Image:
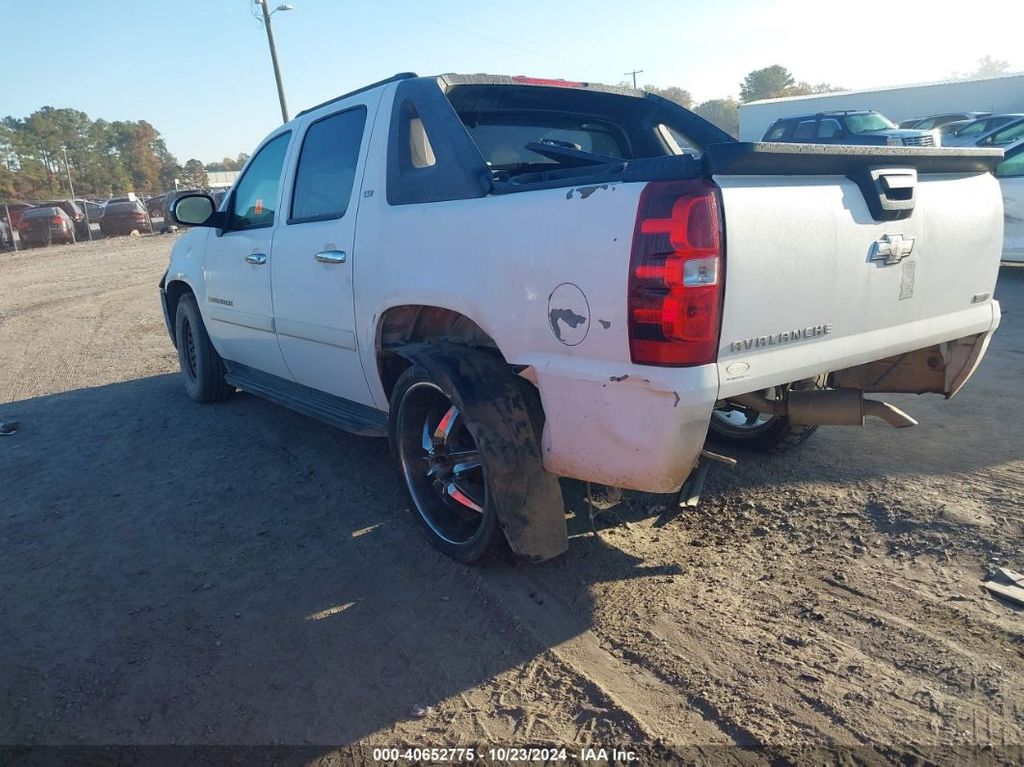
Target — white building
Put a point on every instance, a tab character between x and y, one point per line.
221	179
1004	93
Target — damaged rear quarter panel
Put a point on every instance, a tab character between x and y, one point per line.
497	260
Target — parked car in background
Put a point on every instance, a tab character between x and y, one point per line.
15	209
155	205
130	197
1010	173
93	210
45	225
968	133
935	121
847	127
75	213
124	217
1004	136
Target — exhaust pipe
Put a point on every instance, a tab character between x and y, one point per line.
888	413
827	407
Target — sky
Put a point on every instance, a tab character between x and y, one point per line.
200	71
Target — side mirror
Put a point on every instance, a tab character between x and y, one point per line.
192	210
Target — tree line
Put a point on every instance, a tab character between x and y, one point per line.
105	158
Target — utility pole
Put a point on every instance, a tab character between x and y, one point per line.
635	72
273	53
10	226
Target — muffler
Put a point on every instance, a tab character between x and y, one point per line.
825	407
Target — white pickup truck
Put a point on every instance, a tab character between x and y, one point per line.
519	279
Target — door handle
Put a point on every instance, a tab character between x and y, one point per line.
331	256
256	259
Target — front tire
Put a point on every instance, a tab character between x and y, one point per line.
201	366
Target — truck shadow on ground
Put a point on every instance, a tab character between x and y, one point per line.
240	574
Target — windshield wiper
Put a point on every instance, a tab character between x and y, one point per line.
568	154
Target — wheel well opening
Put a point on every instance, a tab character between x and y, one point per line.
416	324
175	290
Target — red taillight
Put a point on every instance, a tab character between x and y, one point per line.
676	275
57	220
139	216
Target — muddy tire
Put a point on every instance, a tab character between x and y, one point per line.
464	442
201	366
749	430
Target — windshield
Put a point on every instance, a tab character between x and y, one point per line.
868	123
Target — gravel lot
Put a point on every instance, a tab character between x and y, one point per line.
236	573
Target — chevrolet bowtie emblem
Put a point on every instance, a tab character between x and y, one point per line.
892	248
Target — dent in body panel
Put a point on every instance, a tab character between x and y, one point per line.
623	425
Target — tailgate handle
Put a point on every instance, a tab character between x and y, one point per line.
889	192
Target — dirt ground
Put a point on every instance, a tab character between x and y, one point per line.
239	574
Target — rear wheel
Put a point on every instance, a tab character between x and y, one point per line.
751	430
445	474
201	366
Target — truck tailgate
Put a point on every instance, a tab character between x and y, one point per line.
816	283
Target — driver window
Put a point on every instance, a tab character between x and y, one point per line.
255	197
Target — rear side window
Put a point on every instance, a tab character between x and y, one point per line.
327	167
829	128
421	152
255	197
777	132
804	130
677	143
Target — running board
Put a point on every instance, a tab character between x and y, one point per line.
333	411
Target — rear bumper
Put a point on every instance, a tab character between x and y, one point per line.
623	425
773	365
643	428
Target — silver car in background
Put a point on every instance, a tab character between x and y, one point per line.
1010	173
996	130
